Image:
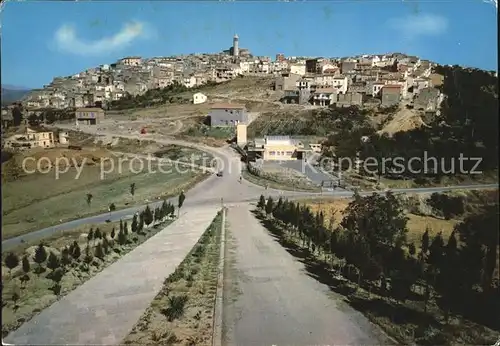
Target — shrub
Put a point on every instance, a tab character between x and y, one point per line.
176	306
76	253
53	261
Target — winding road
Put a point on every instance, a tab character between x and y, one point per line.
213	190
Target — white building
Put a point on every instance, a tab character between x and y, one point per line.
340	84
298	69
199	98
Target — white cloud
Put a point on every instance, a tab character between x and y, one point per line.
417	25
67	40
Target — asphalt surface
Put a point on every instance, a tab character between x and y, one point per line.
269	299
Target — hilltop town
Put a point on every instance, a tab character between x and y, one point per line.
368	79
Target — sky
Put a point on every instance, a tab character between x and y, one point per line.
42	40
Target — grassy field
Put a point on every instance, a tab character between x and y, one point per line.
39	200
35	289
182	313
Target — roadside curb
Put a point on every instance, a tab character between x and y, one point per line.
218	309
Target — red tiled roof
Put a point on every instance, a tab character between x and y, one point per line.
227	106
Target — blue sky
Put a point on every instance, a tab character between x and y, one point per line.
41	40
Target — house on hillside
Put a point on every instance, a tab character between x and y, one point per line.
89	116
199	98
391	95
27	138
228	114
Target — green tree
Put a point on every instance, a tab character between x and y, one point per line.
269	206
53	261
99	252
11	261
26	269
122	238
148	216
125	227
89	198
97	234
132	189
76	253
180	201
134	224
40	256
479	234
141	222
88	255
262	202
90	235
26	264
65	256
113	233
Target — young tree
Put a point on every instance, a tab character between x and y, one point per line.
134	224
99	252
11	261
89	199
269	206
40	256
88	255
97	234
105	245
122	238
262	202
180	202
141	222
121	226
65	256
113	233
125	227
26	269
53	261
112	207
76	253
26	265
57	276
148	216
90	235
132	189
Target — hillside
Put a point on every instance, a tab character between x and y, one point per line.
12	94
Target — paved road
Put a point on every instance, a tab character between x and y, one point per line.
104	309
270	300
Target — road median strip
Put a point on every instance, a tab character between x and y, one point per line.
183	310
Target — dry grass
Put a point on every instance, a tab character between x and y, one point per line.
196	279
417	224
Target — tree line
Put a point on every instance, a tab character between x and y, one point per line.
370	247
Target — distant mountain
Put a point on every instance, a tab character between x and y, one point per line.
12	93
